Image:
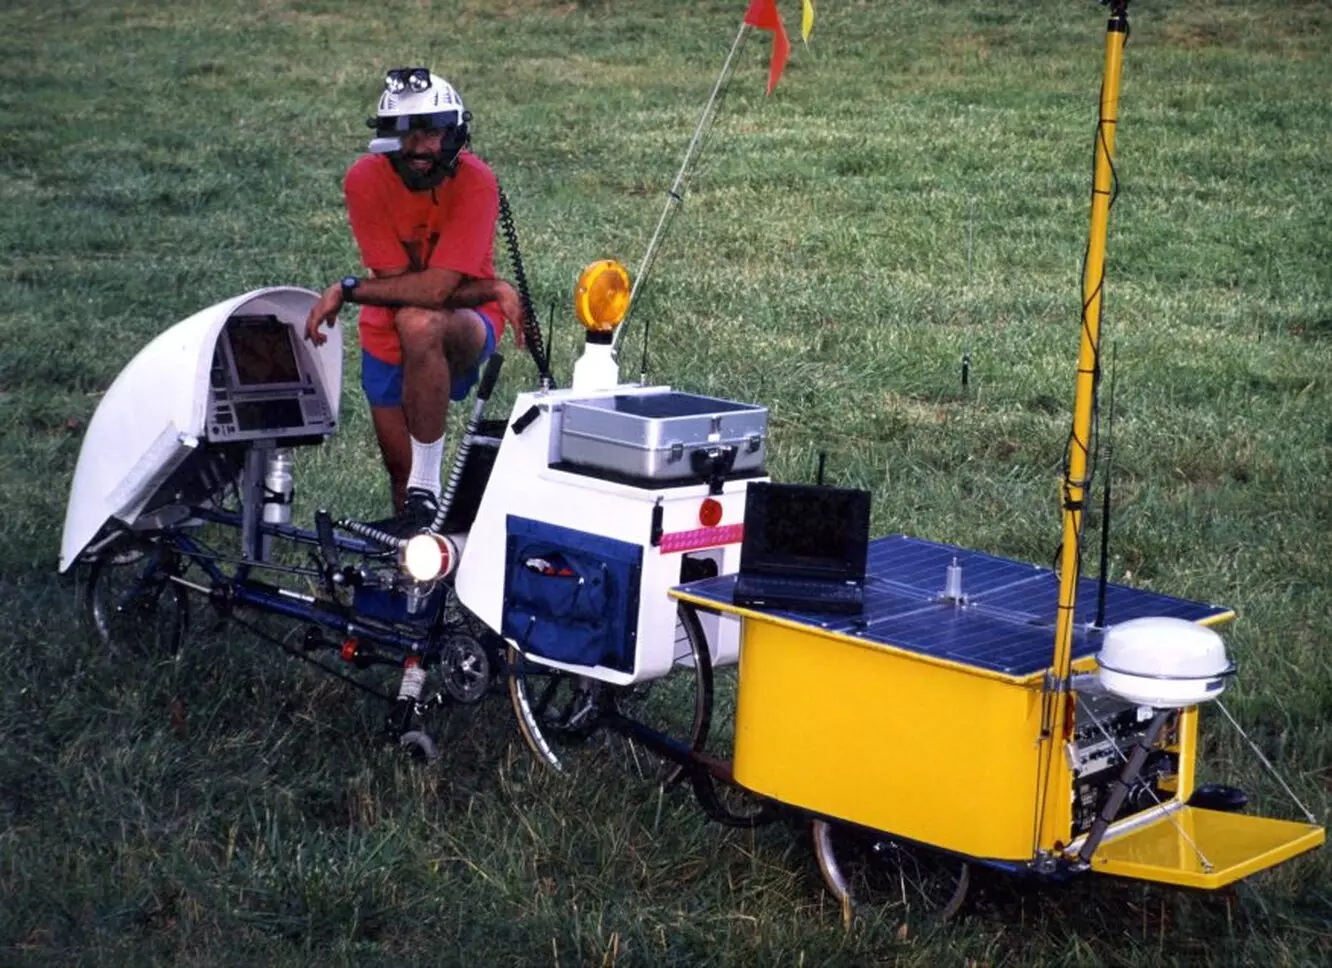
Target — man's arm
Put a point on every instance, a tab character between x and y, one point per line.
427	289
430	289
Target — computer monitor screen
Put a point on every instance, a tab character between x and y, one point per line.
806	528
262	352
806	524
278	414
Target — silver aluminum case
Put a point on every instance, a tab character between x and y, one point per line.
651	436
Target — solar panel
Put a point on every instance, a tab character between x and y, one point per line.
1007	624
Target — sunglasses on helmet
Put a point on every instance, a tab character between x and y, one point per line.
402	124
403	79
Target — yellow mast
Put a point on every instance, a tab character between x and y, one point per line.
1075	481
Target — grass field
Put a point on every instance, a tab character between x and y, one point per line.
233	808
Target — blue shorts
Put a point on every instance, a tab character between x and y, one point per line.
382	382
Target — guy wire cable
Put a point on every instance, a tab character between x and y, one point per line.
1308	814
676	193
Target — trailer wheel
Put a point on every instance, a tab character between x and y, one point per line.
562	715
860	868
724	800
132	605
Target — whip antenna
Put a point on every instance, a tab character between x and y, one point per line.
676	194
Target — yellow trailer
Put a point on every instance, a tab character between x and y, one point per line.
924	719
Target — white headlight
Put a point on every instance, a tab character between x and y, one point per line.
427	556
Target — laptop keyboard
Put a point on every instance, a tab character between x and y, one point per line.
827	591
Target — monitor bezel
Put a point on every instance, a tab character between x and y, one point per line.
763	559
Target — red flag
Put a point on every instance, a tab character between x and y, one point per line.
763	15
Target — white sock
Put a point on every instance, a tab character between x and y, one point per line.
426	459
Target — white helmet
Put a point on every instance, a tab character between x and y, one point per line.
416	100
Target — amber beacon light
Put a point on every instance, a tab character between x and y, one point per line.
602	296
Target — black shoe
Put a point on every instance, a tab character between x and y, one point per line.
418	513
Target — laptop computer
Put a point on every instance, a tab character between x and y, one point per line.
804	548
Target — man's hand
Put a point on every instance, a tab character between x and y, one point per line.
324	311
512	308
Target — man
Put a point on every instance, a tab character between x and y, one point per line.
422	209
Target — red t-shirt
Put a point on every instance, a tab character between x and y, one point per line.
450	227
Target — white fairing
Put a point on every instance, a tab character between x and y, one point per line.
525	483
1163	662
154	414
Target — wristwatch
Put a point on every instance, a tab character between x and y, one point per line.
349	284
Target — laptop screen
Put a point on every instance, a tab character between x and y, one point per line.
805	530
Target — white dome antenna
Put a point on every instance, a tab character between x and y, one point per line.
1166	663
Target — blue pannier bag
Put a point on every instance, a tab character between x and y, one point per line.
571	596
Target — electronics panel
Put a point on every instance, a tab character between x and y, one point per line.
1105	731
263	384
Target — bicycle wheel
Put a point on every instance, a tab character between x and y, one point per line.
729	803
565	718
133	606
860	868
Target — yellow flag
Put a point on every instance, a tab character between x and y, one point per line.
806	19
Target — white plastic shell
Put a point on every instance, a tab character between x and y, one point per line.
153	415
1163	662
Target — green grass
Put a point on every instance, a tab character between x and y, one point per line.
158	157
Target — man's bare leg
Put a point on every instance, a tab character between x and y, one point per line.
395	446
434	343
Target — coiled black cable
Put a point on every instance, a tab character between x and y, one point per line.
371	533
531	327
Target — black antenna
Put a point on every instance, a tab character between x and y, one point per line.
1105	499
823	455
550	330
643	365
